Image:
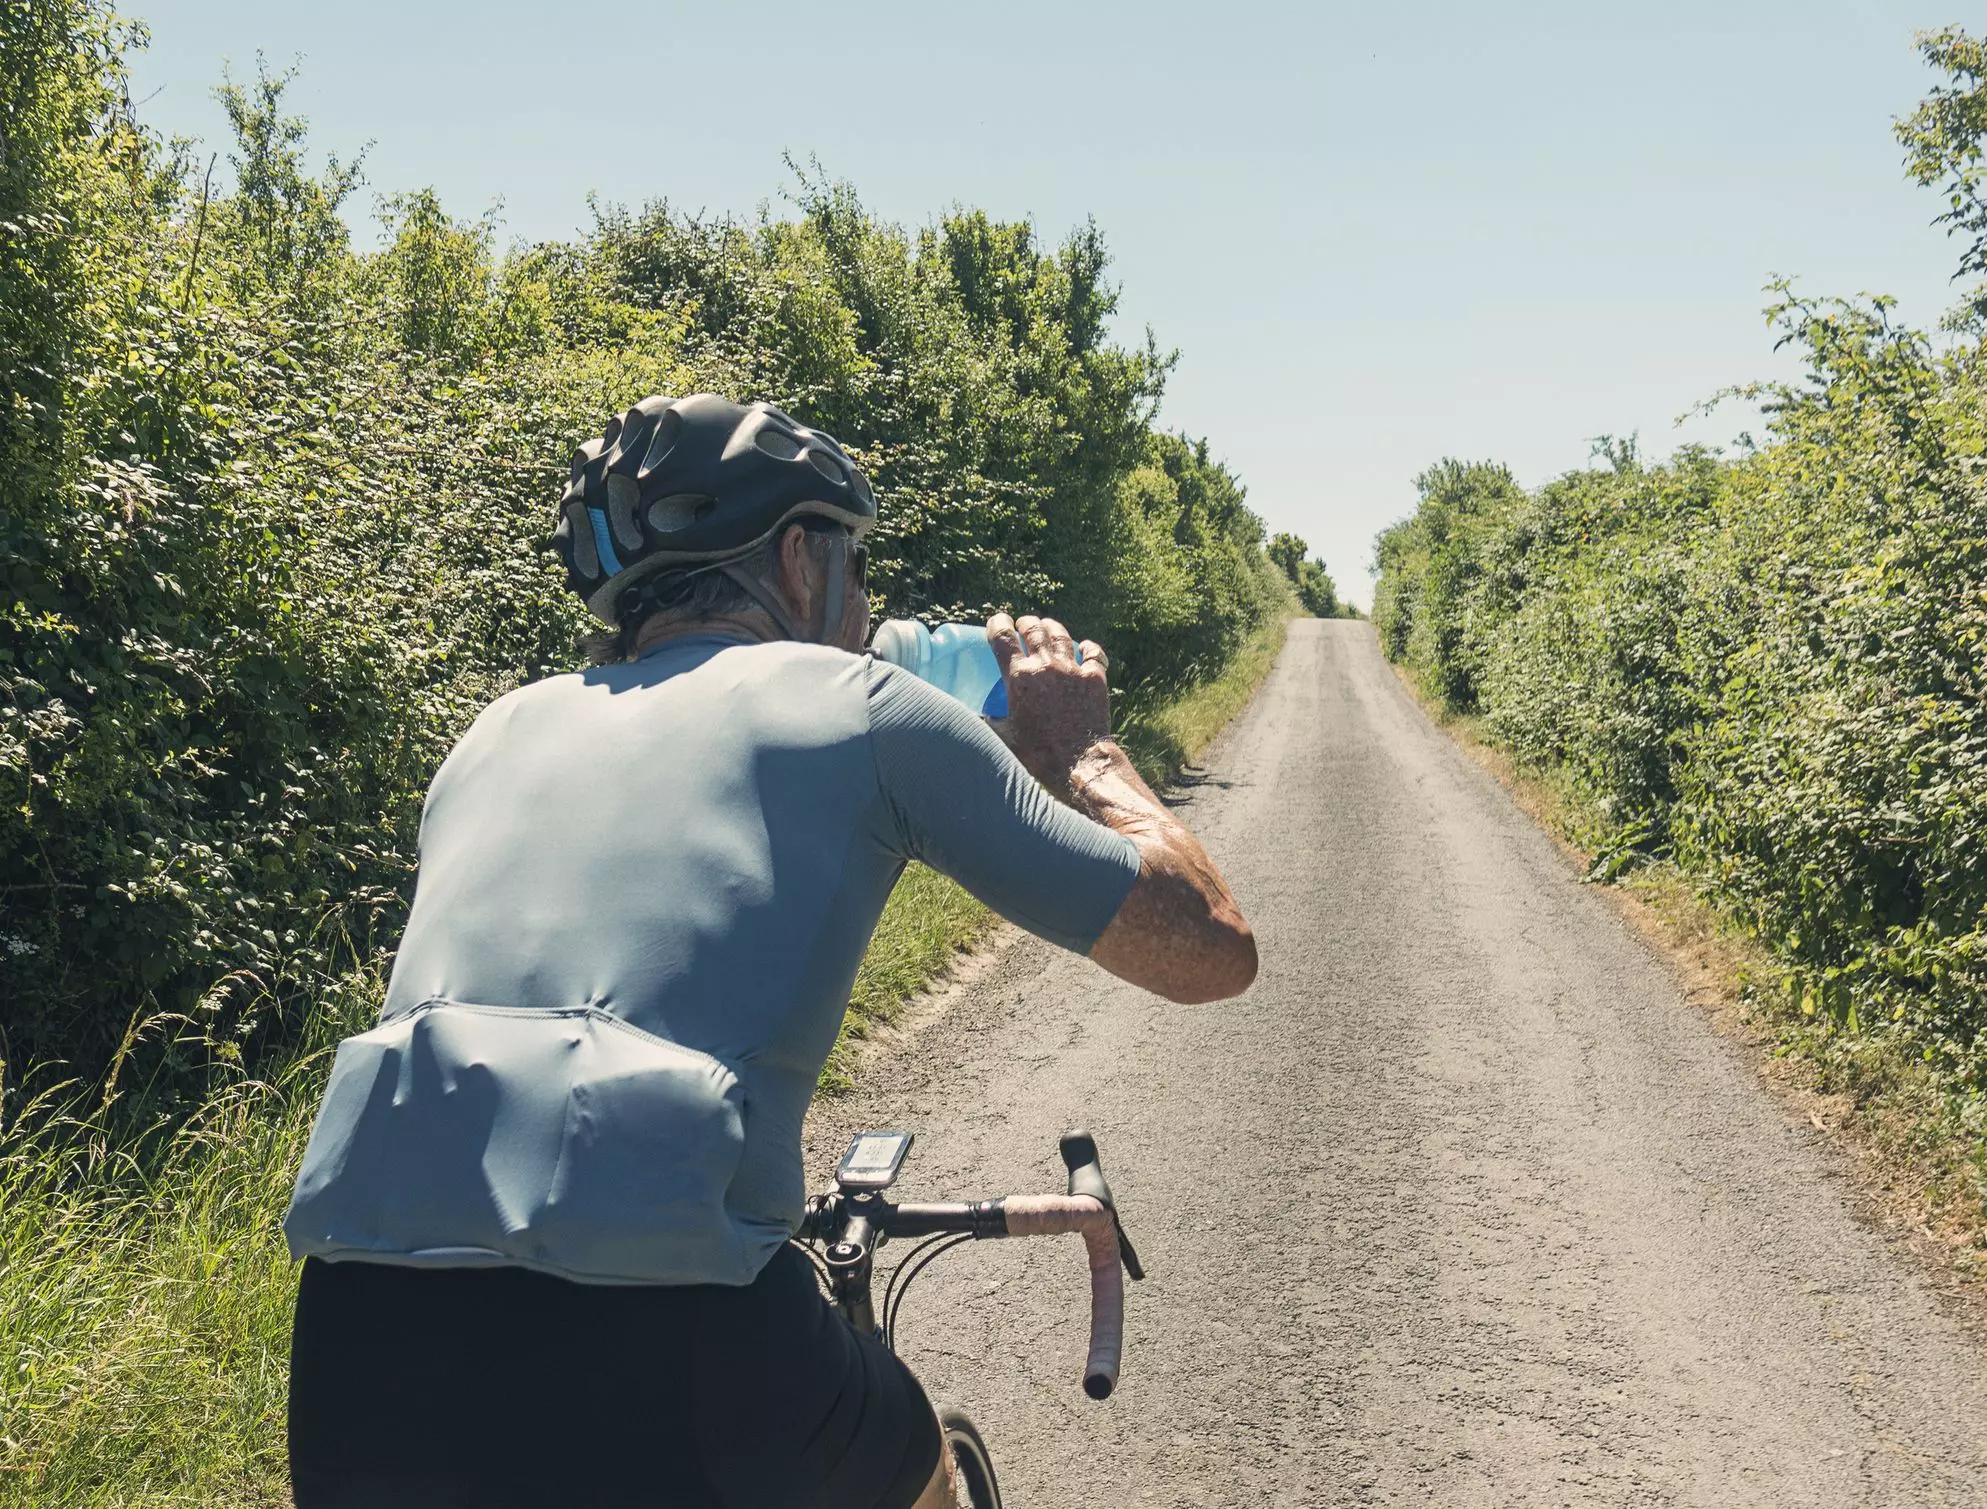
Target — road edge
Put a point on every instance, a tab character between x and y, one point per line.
1878	1151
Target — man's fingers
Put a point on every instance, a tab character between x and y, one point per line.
1005	639
1057	644
1036	636
1093	654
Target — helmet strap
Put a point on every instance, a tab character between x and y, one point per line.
828	617
764	596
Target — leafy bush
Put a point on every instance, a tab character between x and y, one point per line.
1838	788
270	511
1314	585
1770	667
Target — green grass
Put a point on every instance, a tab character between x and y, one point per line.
1178	733
145	1299
144	1289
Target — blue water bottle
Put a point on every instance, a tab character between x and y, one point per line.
955	658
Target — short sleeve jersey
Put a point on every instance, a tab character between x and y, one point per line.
643	894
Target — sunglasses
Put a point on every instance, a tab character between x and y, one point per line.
858	552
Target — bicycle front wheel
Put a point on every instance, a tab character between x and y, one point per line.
978	1488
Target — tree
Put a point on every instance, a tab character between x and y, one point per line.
1288	551
1315	588
1943	139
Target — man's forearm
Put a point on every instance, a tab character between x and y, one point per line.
1105	785
1179	931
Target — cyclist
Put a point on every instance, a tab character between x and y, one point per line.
543	1213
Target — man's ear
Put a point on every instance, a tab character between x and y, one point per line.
795	584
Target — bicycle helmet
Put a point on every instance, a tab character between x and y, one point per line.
702	482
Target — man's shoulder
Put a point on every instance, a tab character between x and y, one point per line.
783	678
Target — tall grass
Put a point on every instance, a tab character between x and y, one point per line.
144	1295
1178	732
144	1285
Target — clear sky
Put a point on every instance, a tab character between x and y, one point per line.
1378	233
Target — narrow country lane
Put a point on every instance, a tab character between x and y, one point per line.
1462	1205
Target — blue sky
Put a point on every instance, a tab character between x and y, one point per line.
1378	234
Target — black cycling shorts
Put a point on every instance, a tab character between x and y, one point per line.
500	1388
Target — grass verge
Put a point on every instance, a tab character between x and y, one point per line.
145	1295
1920	1161
144	1288
1178	733
929	922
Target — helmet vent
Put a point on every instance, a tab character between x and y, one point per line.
624	496
585	558
828	466
661	443
777	443
678	511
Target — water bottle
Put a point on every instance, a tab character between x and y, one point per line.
955	658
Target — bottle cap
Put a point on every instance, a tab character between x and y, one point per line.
897	642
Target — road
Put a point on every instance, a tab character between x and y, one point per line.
1463	1204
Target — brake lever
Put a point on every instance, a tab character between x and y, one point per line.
1086	1177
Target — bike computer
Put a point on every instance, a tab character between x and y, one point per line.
873	1159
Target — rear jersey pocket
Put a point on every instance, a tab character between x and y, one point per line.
560	1139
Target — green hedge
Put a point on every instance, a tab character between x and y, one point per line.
1771	667
1768	668
270	510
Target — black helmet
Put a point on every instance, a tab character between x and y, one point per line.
695	480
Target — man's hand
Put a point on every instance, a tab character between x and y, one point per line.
1057	709
1179	931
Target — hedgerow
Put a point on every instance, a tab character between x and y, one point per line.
271	510
1766	667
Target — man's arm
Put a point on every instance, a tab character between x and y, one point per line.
1179	932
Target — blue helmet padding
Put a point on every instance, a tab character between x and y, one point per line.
603	542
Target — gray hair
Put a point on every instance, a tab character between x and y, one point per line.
697	589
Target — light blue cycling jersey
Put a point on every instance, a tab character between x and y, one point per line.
643	894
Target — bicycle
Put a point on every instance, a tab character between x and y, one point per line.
854	1219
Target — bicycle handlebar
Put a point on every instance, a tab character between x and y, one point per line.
1088	1210
1052	1215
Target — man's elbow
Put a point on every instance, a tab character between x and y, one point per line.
1180	942
1226	966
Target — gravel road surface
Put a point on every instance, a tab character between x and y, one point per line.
1461	1205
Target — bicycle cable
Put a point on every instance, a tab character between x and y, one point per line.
890	1284
814	1258
920	1258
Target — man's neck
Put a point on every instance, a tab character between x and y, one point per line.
754	625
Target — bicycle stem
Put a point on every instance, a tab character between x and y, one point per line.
851	1261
